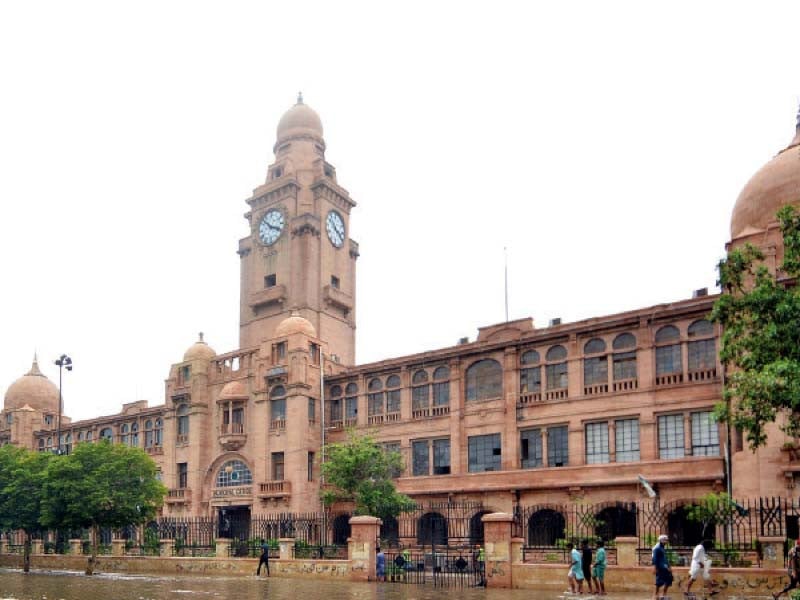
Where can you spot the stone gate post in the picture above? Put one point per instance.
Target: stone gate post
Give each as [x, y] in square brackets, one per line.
[772, 548]
[497, 545]
[626, 551]
[361, 547]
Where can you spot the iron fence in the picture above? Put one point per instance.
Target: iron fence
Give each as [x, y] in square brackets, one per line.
[438, 566]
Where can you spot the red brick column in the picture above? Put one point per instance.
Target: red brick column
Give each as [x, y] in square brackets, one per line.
[361, 547]
[497, 536]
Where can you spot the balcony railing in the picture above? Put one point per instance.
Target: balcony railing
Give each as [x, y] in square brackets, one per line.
[626, 385]
[702, 375]
[440, 411]
[393, 416]
[374, 419]
[277, 424]
[557, 394]
[182, 438]
[179, 495]
[231, 429]
[529, 398]
[154, 449]
[421, 413]
[596, 389]
[669, 379]
[274, 489]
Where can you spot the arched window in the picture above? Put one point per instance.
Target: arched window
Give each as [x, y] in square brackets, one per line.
[420, 394]
[124, 436]
[669, 361]
[441, 390]
[80, 437]
[393, 396]
[277, 407]
[484, 380]
[595, 368]
[88, 436]
[336, 391]
[432, 529]
[594, 346]
[702, 353]
[106, 434]
[41, 444]
[375, 398]
[351, 404]
[530, 373]
[616, 521]
[135, 435]
[556, 369]
[67, 446]
[233, 473]
[624, 359]
[545, 526]
[158, 432]
[183, 423]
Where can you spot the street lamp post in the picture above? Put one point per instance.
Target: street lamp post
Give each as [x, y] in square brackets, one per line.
[63, 362]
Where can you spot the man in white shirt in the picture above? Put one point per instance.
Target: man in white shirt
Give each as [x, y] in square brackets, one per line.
[701, 563]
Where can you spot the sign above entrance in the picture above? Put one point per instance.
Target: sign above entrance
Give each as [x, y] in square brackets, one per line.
[233, 491]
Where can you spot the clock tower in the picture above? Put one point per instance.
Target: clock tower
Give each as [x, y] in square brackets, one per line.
[299, 255]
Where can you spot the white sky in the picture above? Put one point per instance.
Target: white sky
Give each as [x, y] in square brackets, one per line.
[603, 143]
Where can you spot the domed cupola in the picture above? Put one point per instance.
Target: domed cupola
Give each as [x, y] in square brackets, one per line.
[199, 351]
[774, 186]
[33, 389]
[298, 122]
[295, 324]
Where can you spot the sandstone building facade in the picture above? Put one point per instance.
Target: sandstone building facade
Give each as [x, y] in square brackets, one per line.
[523, 414]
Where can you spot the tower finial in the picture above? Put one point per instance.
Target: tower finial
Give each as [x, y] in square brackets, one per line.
[299, 97]
[798, 118]
[201, 336]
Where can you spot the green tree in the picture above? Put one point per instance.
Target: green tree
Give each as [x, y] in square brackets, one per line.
[101, 485]
[760, 316]
[22, 475]
[360, 471]
[711, 509]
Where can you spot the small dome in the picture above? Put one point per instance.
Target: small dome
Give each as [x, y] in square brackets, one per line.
[299, 120]
[33, 389]
[199, 351]
[233, 390]
[774, 186]
[295, 324]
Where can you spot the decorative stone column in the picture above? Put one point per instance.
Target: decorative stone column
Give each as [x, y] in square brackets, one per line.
[497, 545]
[361, 547]
[626, 551]
[76, 547]
[37, 547]
[117, 547]
[166, 547]
[286, 548]
[223, 547]
[772, 547]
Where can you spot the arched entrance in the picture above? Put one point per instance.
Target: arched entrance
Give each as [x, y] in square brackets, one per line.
[341, 529]
[432, 529]
[476, 527]
[616, 521]
[545, 526]
[687, 532]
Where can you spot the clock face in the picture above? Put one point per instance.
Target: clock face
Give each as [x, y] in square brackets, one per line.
[335, 227]
[271, 226]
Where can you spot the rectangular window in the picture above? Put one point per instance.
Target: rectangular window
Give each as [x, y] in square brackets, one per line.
[393, 447]
[351, 408]
[334, 282]
[336, 410]
[556, 376]
[311, 466]
[279, 352]
[485, 453]
[668, 360]
[183, 475]
[530, 380]
[277, 409]
[557, 446]
[595, 370]
[705, 434]
[702, 355]
[312, 409]
[375, 404]
[277, 466]
[670, 436]
[441, 393]
[597, 443]
[420, 458]
[313, 350]
[530, 443]
[186, 374]
[393, 401]
[627, 440]
[441, 457]
[270, 280]
[624, 365]
[420, 397]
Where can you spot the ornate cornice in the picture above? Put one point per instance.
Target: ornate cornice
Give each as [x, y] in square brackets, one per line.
[325, 188]
[274, 191]
[306, 224]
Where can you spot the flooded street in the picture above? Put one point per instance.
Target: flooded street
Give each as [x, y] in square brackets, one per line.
[50, 585]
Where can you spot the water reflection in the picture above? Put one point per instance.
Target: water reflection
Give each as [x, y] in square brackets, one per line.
[53, 585]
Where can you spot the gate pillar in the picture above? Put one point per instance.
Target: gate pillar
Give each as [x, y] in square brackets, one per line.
[772, 549]
[361, 547]
[286, 548]
[626, 551]
[497, 536]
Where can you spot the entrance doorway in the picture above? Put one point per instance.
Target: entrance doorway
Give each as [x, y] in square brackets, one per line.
[234, 524]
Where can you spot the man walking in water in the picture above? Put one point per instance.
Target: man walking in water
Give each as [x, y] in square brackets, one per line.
[661, 567]
[794, 570]
[264, 560]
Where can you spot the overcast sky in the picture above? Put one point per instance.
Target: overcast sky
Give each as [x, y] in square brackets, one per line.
[603, 143]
